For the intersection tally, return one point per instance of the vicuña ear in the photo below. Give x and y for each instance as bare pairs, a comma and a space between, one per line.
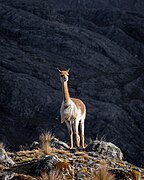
68, 70
58, 70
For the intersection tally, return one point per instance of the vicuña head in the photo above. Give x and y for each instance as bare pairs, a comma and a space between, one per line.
63, 75
73, 111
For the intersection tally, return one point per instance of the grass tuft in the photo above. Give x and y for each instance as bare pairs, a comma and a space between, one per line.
102, 174
53, 175
2, 145
45, 139
2, 167
63, 166
135, 175
102, 162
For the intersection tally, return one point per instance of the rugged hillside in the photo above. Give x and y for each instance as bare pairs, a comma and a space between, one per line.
52, 159
104, 49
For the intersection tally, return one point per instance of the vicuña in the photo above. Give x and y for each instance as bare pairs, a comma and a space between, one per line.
73, 111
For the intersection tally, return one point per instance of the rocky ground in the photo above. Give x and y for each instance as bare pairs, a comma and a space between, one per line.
103, 44
98, 161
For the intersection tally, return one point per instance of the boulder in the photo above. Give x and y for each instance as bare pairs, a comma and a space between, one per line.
34, 145
106, 149
44, 165
58, 144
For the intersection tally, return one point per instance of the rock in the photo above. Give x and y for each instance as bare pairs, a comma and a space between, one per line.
130, 5
93, 154
7, 175
106, 149
36, 167
44, 165
120, 174
80, 176
34, 145
58, 144
5, 159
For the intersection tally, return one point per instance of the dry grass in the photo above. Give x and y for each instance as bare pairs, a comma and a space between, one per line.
59, 151
32, 154
102, 174
81, 160
53, 175
80, 153
2, 167
102, 162
100, 138
23, 177
135, 175
2, 145
24, 156
45, 139
65, 167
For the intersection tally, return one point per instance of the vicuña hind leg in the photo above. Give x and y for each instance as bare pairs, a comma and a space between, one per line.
82, 133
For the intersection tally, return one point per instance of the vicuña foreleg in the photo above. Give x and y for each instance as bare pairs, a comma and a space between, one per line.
69, 126
76, 124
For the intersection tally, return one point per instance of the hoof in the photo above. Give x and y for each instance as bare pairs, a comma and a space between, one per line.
73, 150
80, 149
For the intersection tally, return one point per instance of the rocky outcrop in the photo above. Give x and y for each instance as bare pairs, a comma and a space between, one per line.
105, 149
103, 48
101, 159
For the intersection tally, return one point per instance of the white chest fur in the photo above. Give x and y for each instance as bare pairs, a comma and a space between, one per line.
69, 111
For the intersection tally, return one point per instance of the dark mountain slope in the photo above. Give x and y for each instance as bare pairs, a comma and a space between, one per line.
104, 50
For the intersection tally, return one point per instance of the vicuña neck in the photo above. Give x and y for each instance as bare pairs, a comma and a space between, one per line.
66, 95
